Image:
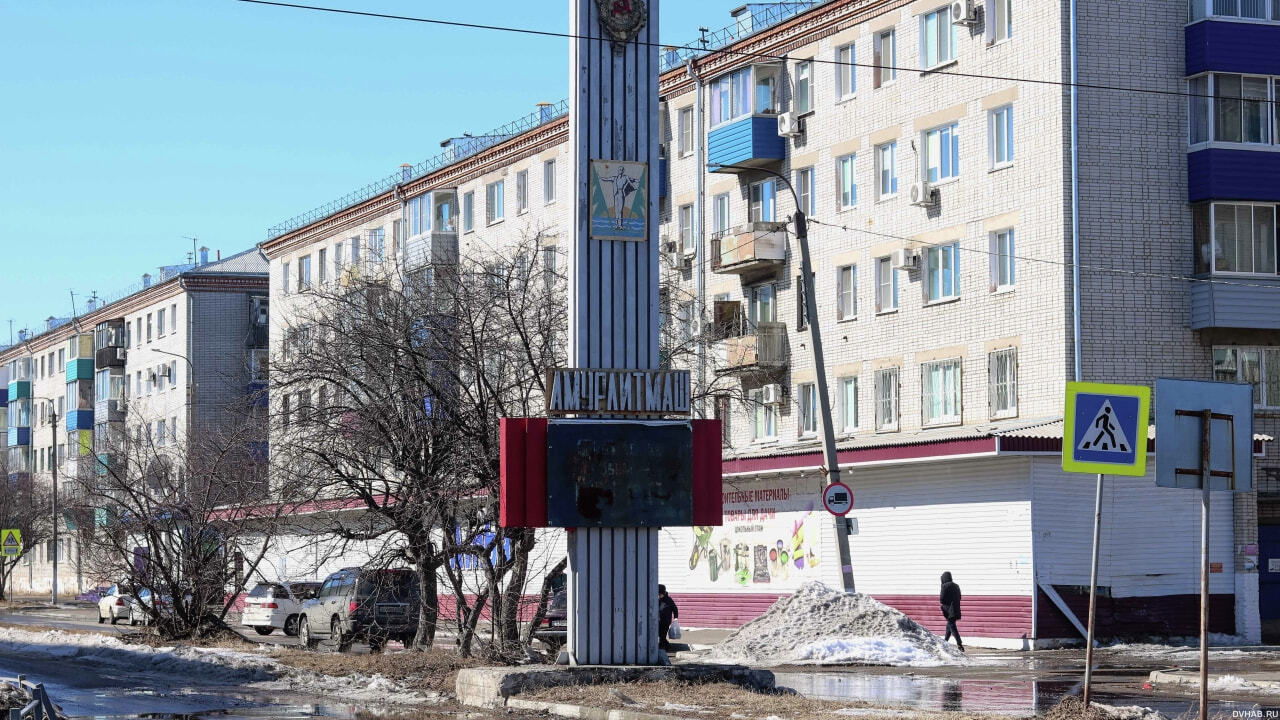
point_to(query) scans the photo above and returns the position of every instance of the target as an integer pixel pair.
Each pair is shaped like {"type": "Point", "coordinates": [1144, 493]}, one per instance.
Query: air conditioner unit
{"type": "Point", "coordinates": [772, 394]}
{"type": "Point", "coordinates": [789, 125]}
{"type": "Point", "coordinates": [668, 246]}
{"type": "Point", "coordinates": [903, 260]}
{"type": "Point", "coordinates": [679, 259]}
{"type": "Point", "coordinates": [921, 193]}
{"type": "Point", "coordinates": [121, 354]}
{"type": "Point", "coordinates": [963, 12]}
{"type": "Point", "coordinates": [115, 406]}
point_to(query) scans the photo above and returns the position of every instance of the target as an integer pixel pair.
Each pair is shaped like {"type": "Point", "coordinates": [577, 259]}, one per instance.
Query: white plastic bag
{"type": "Point", "coordinates": [674, 631]}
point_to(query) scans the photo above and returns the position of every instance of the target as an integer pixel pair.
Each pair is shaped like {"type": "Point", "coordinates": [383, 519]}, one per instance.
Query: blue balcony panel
{"type": "Point", "coordinates": [1224, 305]}
{"type": "Point", "coordinates": [79, 420]}
{"type": "Point", "coordinates": [1222, 174]}
{"type": "Point", "coordinates": [1234, 47]}
{"type": "Point", "coordinates": [752, 141]}
{"type": "Point", "coordinates": [18, 436]}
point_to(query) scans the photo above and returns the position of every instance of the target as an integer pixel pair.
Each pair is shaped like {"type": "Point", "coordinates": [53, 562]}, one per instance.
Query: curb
{"type": "Point", "coordinates": [1181, 678]}
{"type": "Point", "coordinates": [583, 711]}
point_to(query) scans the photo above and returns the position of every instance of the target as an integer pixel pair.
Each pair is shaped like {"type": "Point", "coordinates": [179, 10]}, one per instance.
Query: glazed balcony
{"type": "Point", "coordinates": [764, 349]}
{"type": "Point", "coordinates": [751, 248]}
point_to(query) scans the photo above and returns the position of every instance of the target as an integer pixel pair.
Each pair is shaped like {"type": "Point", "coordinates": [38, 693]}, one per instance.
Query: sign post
{"type": "Point", "coordinates": [1105, 431]}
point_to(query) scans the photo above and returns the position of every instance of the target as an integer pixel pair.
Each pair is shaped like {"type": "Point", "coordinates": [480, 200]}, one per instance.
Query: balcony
{"type": "Point", "coordinates": [1252, 304]}
{"type": "Point", "coordinates": [18, 436]}
{"type": "Point", "coordinates": [765, 349]}
{"type": "Point", "coordinates": [749, 249]}
{"type": "Point", "coordinates": [19, 390]}
{"type": "Point", "coordinates": [79, 420]}
{"type": "Point", "coordinates": [113, 410]}
{"type": "Point", "coordinates": [1233, 174]}
{"type": "Point", "coordinates": [752, 141]}
{"type": "Point", "coordinates": [81, 369]}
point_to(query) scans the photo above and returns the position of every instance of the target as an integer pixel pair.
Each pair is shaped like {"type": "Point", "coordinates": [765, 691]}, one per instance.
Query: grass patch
{"type": "Point", "coordinates": [432, 670]}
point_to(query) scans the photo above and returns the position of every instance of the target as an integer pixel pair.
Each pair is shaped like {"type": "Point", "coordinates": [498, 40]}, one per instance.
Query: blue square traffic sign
{"type": "Point", "coordinates": [1106, 428]}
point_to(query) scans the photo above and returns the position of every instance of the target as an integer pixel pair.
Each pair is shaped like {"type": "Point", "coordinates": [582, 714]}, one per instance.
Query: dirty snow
{"type": "Point", "coordinates": [818, 625]}
{"type": "Point", "coordinates": [210, 665]}
{"type": "Point", "coordinates": [1235, 683]}
{"type": "Point", "coordinates": [1129, 712]}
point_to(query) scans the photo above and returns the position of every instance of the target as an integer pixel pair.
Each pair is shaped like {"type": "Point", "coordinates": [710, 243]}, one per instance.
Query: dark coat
{"type": "Point", "coordinates": [666, 610]}
{"type": "Point", "coordinates": [949, 598]}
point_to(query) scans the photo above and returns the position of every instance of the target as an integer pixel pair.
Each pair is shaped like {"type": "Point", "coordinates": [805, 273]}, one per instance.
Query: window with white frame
{"type": "Point", "coordinates": [804, 190]}
{"type": "Point", "coordinates": [1000, 136]}
{"type": "Point", "coordinates": [846, 292]}
{"type": "Point", "coordinates": [940, 392]}
{"type": "Point", "coordinates": [338, 258]}
{"type": "Point", "coordinates": [161, 328]}
{"type": "Point", "coordinates": [173, 318]}
{"type": "Point", "coordinates": [304, 273]}
{"type": "Point", "coordinates": [886, 285]}
{"type": "Point", "coordinates": [686, 227]}
{"type": "Point", "coordinates": [1000, 20]}
{"type": "Point", "coordinates": [803, 87]}
{"type": "Point", "coordinates": [468, 211]}
{"type": "Point", "coordinates": [548, 182]}
{"type": "Point", "coordinates": [937, 38]}
{"type": "Point", "coordinates": [1002, 382]}
{"type": "Point", "coordinates": [354, 244]}
{"type": "Point", "coordinates": [1235, 238]}
{"type": "Point", "coordinates": [493, 202]}
{"type": "Point", "coordinates": [846, 72]}
{"type": "Point", "coordinates": [764, 421]}
{"type": "Point", "coordinates": [1258, 366]}
{"type": "Point", "coordinates": [807, 404]}
{"type": "Point", "coordinates": [942, 272]}
{"type": "Point", "coordinates": [763, 305]}
{"type": "Point", "coordinates": [847, 182]}
{"type": "Point", "coordinates": [720, 214]}
{"type": "Point", "coordinates": [1244, 9]}
{"type": "Point", "coordinates": [886, 57]}
{"type": "Point", "coordinates": [886, 387]}
{"type": "Point", "coordinates": [847, 403]}
{"type": "Point", "coordinates": [284, 282]}
{"type": "Point", "coordinates": [321, 260]}
{"type": "Point", "coordinates": [1233, 108]}
{"type": "Point", "coordinates": [731, 96]}
{"type": "Point", "coordinates": [942, 153]}
{"type": "Point", "coordinates": [162, 433]}
{"type": "Point", "coordinates": [887, 169]}
{"type": "Point", "coordinates": [764, 201]}
{"type": "Point", "coordinates": [1003, 275]}
{"type": "Point", "coordinates": [522, 191]}
{"type": "Point", "coordinates": [684, 123]}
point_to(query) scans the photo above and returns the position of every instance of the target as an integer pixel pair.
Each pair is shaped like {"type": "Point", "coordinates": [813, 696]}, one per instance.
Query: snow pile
{"type": "Point", "coordinates": [1235, 683]}
{"type": "Point", "coordinates": [1128, 712]}
{"type": "Point", "coordinates": [818, 625]}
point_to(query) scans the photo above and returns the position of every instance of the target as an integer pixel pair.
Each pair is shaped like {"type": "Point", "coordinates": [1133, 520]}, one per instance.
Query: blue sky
{"type": "Point", "coordinates": [128, 125]}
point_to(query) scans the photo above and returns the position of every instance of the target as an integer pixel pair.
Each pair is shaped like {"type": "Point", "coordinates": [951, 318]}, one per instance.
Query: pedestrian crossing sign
{"type": "Point", "coordinates": [10, 543]}
{"type": "Point", "coordinates": [1106, 428]}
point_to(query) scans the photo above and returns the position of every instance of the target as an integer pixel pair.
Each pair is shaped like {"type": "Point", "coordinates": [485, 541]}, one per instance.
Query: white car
{"type": "Point", "coordinates": [276, 605]}
{"type": "Point", "coordinates": [139, 609]}
{"type": "Point", "coordinates": [115, 605]}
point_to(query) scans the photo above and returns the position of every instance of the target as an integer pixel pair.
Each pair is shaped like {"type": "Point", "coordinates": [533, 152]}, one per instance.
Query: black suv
{"type": "Point", "coordinates": [373, 605]}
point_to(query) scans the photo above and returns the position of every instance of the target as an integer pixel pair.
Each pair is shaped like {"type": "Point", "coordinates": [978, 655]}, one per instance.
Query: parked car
{"type": "Point", "coordinates": [276, 605]}
{"type": "Point", "coordinates": [115, 605]}
{"type": "Point", "coordinates": [140, 608]}
{"type": "Point", "coordinates": [554, 630]}
{"type": "Point", "coordinates": [373, 605]}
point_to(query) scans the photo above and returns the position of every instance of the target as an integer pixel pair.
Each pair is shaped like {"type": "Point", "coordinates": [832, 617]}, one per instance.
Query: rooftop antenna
{"type": "Point", "coordinates": [192, 257]}
{"type": "Point", "coordinates": [73, 303]}
{"type": "Point", "coordinates": [10, 331]}
{"type": "Point", "coordinates": [703, 32]}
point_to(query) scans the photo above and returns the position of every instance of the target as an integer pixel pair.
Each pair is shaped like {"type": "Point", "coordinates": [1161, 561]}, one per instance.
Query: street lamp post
{"type": "Point", "coordinates": [819, 367]}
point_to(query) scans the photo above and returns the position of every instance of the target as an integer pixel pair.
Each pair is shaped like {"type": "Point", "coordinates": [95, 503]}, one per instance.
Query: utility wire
{"type": "Point", "coordinates": [757, 55]}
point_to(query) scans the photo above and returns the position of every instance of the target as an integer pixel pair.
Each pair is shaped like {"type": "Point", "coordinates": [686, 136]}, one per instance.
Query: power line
{"type": "Point", "coordinates": [747, 54]}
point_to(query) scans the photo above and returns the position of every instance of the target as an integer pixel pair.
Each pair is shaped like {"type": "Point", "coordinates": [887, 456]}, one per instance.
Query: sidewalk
{"type": "Point", "coordinates": [1246, 681]}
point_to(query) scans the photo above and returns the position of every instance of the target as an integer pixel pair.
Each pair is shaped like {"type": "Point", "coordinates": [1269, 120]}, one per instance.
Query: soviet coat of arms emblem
{"type": "Point", "coordinates": [622, 20]}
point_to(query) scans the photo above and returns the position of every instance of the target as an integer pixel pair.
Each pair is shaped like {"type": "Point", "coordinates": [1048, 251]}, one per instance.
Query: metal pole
{"type": "Point", "coordinates": [1093, 590]}
{"type": "Point", "coordinates": [53, 435]}
{"type": "Point", "coordinates": [1205, 433]}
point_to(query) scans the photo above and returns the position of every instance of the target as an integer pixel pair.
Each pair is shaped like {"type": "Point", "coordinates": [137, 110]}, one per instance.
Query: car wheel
{"type": "Point", "coordinates": [376, 645]}
{"type": "Point", "coordinates": [291, 625]}
{"type": "Point", "coordinates": [407, 640]}
{"type": "Point", "coordinates": [304, 634]}
{"type": "Point", "coordinates": [133, 621]}
{"type": "Point", "coordinates": [336, 636]}
{"type": "Point", "coordinates": [114, 619]}
{"type": "Point", "coordinates": [264, 630]}
{"type": "Point", "coordinates": [100, 618]}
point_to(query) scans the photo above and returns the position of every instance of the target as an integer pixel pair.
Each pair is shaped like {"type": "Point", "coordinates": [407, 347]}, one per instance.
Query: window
{"type": "Point", "coordinates": [354, 242]}
{"type": "Point", "coordinates": [886, 58]}
{"type": "Point", "coordinates": [764, 201]}
{"type": "Point", "coordinates": [942, 272]}
{"type": "Point", "coordinates": [148, 328]}
{"type": "Point", "coordinates": [522, 191]}
{"type": "Point", "coordinates": [686, 227]}
{"type": "Point", "coordinates": [173, 374]}
{"type": "Point", "coordinates": [1235, 238]}
{"type": "Point", "coordinates": [320, 263]}
{"type": "Point", "coordinates": [940, 392]}
{"type": "Point", "coordinates": [62, 356]}
{"type": "Point", "coordinates": [942, 153]}
{"type": "Point", "coordinates": [162, 434]}
{"type": "Point", "coordinates": [763, 305]}
{"type": "Point", "coordinates": [1248, 9]}
{"type": "Point", "coordinates": [684, 122]}
{"type": "Point", "coordinates": [1000, 22]}
{"type": "Point", "coordinates": [804, 191]}
{"type": "Point", "coordinates": [284, 278]}
{"type": "Point", "coordinates": [138, 334]}
{"type": "Point", "coordinates": [887, 169]}
{"type": "Point", "coordinates": [804, 87]}
{"type": "Point", "coordinates": [377, 247]}
{"type": "Point", "coordinates": [418, 213]}
{"type": "Point", "coordinates": [886, 285]}
{"type": "Point", "coordinates": [731, 96]}
{"type": "Point", "coordinates": [847, 292]}
{"type": "Point", "coordinates": [887, 399]}
{"type": "Point", "coordinates": [1002, 260]}
{"type": "Point", "coordinates": [720, 214]}
{"type": "Point", "coordinates": [1000, 136]}
{"type": "Point", "coordinates": [848, 184]}
{"type": "Point", "coordinates": [766, 88]}
{"type": "Point", "coordinates": [1241, 108]}
{"type": "Point", "coordinates": [807, 399]}
{"type": "Point", "coordinates": [846, 72]}
{"type": "Point", "coordinates": [938, 38]}
{"type": "Point", "coordinates": [304, 273]}
{"type": "Point", "coordinates": [337, 259]}
{"type": "Point", "coordinates": [1002, 388]}
{"type": "Point", "coordinates": [468, 211]}
{"type": "Point", "coordinates": [1259, 366]}
{"type": "Point", "coordinates": [847, 404]}
{"type": "Point", "coordinates": [549, 265]}
{"type": "Point", "coordinates": [160, 329]}
{"type": "Point", "coordinates": [723, 413]}
{"type": "Point", "coordinates": [549, 181]}
{"type": "Point", "coordinates": [764, 424]}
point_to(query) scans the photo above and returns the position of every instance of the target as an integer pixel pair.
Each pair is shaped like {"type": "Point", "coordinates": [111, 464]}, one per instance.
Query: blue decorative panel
{"type": "Point", "coordinates": [1235, 47]}
{"type": "Point", "coordinates": [19, 436]}
{"type": "Point", "coordinates": [1216, 305]}
{"type": "Point", "coordinates": [80, 420]}
{"type": "Point", "coordinates": [19, 389]}
{"type": "Point", "coordinates": [751, 141]}
{"type": "Point", "coordinates": [1221, 174]}
{"type": "Point", "coordinates": [257, 391]}
{"type": "Point", "coordinates": [4, 396]}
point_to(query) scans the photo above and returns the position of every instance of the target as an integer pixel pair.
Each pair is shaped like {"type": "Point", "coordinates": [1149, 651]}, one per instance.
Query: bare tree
{"type": "Point", "coordinates": [25, 506]}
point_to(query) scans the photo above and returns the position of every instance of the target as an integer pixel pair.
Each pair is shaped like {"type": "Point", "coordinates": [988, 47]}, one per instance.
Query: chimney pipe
{"type": "Point", "coordinates": [219, 253]}
{"type": "Point", "coordinates": [146, 280]}
{"type": "Point", "coordinates": [204, 255]}
{"type": "Point", "coordinates": [544, 113]}
{"type": "Point", "coordinates": [22, 335]}
{"type": "Point", "coordinates": [49, 321]}
{"type": "Point", "coordinates": [406, 172]}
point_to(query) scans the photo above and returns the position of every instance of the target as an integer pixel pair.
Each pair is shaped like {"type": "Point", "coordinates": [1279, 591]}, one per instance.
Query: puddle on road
{"type": "Point", "coordinates": [282, 711]}
{"type": "Point", "coordinates": [1007, 697]}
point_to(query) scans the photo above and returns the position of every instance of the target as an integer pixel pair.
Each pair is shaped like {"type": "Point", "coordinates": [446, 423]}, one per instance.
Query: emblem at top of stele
{"type": "Point", "coordinates": [622, 20]}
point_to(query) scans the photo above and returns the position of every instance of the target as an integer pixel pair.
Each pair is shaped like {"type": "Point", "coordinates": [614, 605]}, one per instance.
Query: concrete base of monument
{"type": "Point", "coordinates": [496, 687]}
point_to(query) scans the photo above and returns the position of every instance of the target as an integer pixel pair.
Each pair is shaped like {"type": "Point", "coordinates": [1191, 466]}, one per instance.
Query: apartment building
{"type": "Point", "coordinates": [931, 145]}
{"type": "Point", "coordinates": [155, 366]}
